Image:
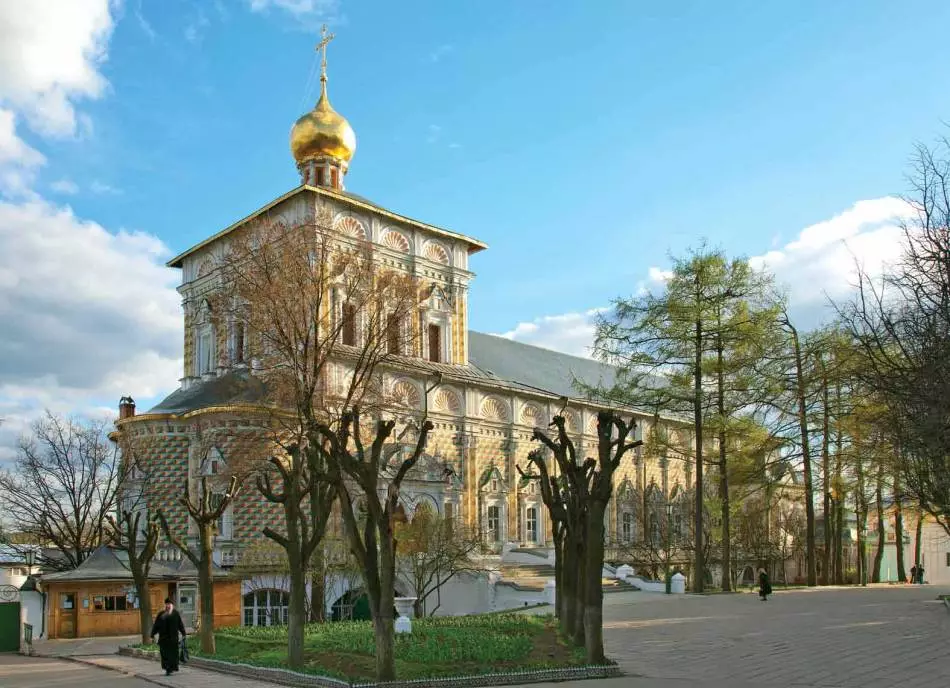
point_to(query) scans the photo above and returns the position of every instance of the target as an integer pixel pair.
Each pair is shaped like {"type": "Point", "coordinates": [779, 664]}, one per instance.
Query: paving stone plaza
{"type": "Point", "coordinates": [829, 638]}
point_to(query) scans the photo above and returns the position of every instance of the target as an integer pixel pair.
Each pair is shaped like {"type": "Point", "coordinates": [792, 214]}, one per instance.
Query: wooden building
{"type": "Point", "coordinates": [98, 598]}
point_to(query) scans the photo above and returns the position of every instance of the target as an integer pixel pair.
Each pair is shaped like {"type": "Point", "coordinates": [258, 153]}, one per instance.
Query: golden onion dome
{"type": "Point", "coordinates": [322, 132]}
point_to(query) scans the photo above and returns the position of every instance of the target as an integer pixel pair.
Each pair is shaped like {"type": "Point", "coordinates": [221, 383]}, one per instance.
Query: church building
{"type": "Point", "coordinates": [493, 391]}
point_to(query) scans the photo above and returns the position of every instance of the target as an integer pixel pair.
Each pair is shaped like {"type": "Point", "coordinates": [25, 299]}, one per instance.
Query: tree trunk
{"type": "Point", "coordinates": [418, 607]}
{"type": "Point", "coordinates": [297, 610]}
{"type": "Point", "coordinates": [318, 588]}
{"type": "Point", "coordinates": [385, 635]}
{"type": "Point", "coordinates": [145, 604]}
{"type": "Point", "coordinates": [383, 622]}
{"type": "Point", "coordinates": [899, 530]}
{"type": "Point", "coordinates": [827, 505]}
{"type": "Point", "coordinates": [206, 589]}
{"type": "Point", "coordinates": [879, 503]}
{"type": "Point", "coordinates": [580, 585]}
{"type": "Point", "coordinates": [570, 572]}
{"type": "Point", "coordinates": [839, 487]}
{"type": "Point", "coordinates": [559, 578]}
{"type": "Point", "coordinates": [810, 563]}
{"type": "Point", "coordinates": [594, 591]}
{"type": "Point", "coordinates": [699, 563]}
{"type": "Point", "coordinates": [723, 476]}
{"type": "Point", "coordinates": [861, 507]}
{"type": "Point", "coordinates": [917, 538]}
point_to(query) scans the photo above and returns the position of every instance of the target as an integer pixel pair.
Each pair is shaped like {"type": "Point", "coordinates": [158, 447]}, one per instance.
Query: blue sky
{"type": "Point", "coordinates": [583, 141]}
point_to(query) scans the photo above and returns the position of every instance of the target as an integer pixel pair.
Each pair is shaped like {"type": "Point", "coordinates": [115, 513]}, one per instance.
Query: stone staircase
{"type": "Point", "coordinates": [533, 577]}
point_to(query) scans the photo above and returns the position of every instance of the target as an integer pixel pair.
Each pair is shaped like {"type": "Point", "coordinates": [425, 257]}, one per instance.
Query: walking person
{"type": "Point", "coordinates": [167, 626]}
{"type": "Point", "coordinates": [920, 574]}
{"type": "Point", "coordinates": [913, 573]}
{"type": "Point", "coordinates": [765, 587]}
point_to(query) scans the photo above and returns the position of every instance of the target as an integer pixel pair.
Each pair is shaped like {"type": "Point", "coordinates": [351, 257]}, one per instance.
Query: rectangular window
{"type": "Point", "coordinates": [348, 326]}
{"type": "Point", "coordinates": [627, 527]}
{"type": "Point", "coordinates": [494, 523]}
{"type": "Point", "coordinates": [224, 522]}
{"type": "Point", "coordinates": [393, 335]}
{"type": "Point", "coordinates": [109, 603]}
{"type": "Point", "coordinates": [435, 343]}
{"type": "Point", "coordinates": [205, 351]}
{"type": "Point", "coordinates": [238, 353]}
{"type": "Point", "coordinates": [532, 521]}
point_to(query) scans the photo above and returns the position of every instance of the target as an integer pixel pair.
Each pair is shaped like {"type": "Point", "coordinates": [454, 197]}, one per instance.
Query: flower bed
{"type": "Point", "coordinates": [438, 648]}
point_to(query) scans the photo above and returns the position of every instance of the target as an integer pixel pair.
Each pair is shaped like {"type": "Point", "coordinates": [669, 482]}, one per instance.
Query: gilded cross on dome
{"type": "Point", "coordinates": [325, 39]}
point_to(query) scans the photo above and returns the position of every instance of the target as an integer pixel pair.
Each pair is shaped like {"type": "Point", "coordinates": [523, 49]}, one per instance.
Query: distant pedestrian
{"type": "Point", "coordinates": [167, 626]}
{"type": "Point", "coordinates": [913, 573]}
{"type": "Point", "coordinates": [765, 587]}
{"type": "Point", "coordinates": [920, 575]}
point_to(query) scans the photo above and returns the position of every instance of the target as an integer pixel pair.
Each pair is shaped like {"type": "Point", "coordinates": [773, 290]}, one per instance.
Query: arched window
{"type": "Point", "coordinates": [531, 524]}
{"type": "Point", "coordinates": [266, 608]}
{"type": "Point", "coordinates": [626, 527]}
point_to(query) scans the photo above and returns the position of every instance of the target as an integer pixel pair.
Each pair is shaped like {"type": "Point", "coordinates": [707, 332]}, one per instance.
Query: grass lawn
{"type": "Point", "coordinates": [442, 646]}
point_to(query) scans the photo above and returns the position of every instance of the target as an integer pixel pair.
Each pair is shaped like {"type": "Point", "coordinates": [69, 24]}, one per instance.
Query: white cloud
{"type": "Point", "coordinates": [49, 56]}
{"type": "Point", "coordinates": [144, 24]}
{"type": "Point", "coordinates": [572, 333]}
{"type": "Point", "coordinates": [302, 10]}
{"type": "Point", "coordinates": [818, 264]}
{"type": "Point", "coordinates": [65, 186]}
{"type": "Point", "coordinates": [18, 161]}
{"type": "Point", "coordinates": [103, 189]}
{"type": "Point", "coordinates": [195, 29]}
{"type": "Point", "coordinates": [88, 314]}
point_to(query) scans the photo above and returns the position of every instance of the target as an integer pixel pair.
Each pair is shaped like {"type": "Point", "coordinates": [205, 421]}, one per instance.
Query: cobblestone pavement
{"type": "Point", "coordinates": [831, 637]}
{"type": "Point", "coordinates": [17, 671]}
{"type": "Point", "coordinates": [826, 638]}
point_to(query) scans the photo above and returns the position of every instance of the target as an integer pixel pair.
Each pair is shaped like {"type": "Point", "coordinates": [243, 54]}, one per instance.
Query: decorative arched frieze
{"type": "Point", "coordinates": [406, 393]}
{"type": "Point", "coordinates": [435, 252]}
{"type": "Point", "coordinates": [447, 401]}
{"type": "Point", "coordinates": [592, 424]}
{"type": "Point", "coordinates": [532, 415]}
{"type": "Point", "coordinates": [396, 240]}
{"type": "Point", "coordinates": [204, 268]}
{"type": "Point", "coordinates": [350, 226]}
{"type": "Point", "coordinates": [493, 408]}
{"type": "Point", "coordinates": [571, 421]}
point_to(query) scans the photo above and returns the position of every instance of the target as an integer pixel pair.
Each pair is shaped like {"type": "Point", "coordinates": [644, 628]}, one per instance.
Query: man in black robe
{"type": "Point", "coordinates": [167, 626]}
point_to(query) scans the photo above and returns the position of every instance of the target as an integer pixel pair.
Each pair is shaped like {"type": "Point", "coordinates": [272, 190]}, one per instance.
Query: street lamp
{"type": "Point", "coordinates": [30, 557]}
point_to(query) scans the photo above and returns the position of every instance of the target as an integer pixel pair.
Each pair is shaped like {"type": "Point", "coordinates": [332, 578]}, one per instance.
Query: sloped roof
{"type": "Point", "coordinates": [233, 388]}
{"type": "Point", "coordinates": [534, 367]}
{"type": "Point", "coordinates": [350, 199]}
{"type": "Point", "coordinates": [107, 563]}
{"type": "Point", "coordinates": [492, 359]}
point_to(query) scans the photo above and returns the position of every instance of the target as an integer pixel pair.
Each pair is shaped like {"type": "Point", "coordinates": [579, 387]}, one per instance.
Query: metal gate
{"type": "Point", "coordinates": [9, 618]}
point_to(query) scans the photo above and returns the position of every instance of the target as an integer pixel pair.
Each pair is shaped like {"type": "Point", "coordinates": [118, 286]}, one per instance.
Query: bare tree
{"type": "Point", "coordinates": [368, 479]}
{"type": "Point", "coordinates": [62, 485]}
{"type": "Point", "coordinates": [205, 512]}
{"type": "Point", "coordinates": [901, 323]}
{"type": "Point", "coordinates": [432, 550]}
{"type": "Point", "coordinates": [581, 504]}
{"type": "Point", "coordinates": [318, 315]}
{"type": "Point", "coordinates": [137, 533]}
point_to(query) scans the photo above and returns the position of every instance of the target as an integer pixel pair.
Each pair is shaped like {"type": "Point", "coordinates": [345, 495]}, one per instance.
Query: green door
{"type": "Point", "coordinates": [9, 626]}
